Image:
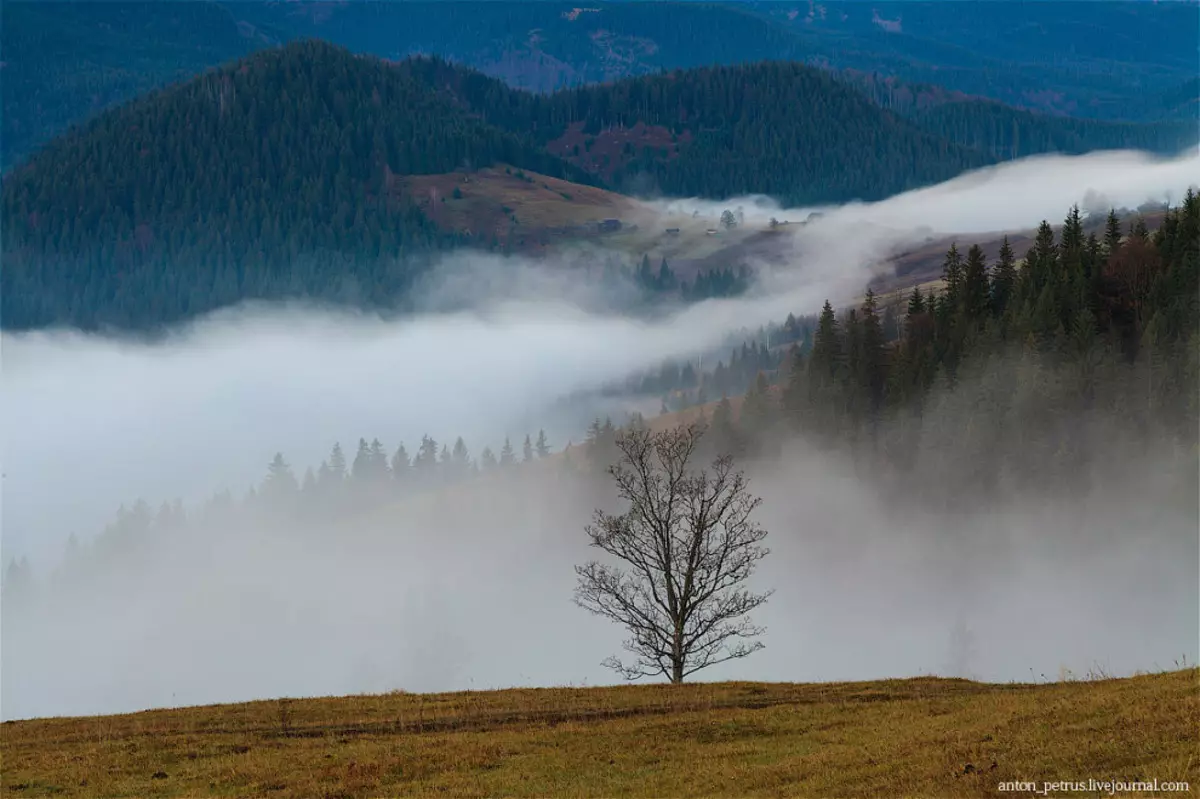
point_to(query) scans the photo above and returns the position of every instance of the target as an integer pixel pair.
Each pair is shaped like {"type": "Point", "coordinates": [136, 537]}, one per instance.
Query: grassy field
{"type": "Point", "coordinates": [920, 737]}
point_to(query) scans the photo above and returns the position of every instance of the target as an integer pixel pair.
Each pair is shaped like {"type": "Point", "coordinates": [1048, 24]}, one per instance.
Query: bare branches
{"type": "Point", "coordinates": [688, 543]}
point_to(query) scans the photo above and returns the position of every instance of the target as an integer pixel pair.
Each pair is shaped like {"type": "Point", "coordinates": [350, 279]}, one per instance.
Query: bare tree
{"type": "Point", "coordinates": [689, 544]}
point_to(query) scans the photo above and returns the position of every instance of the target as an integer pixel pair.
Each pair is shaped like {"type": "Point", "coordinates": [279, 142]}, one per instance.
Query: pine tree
{"type": "Point", "coordinates": [542, 448]}
{"type": "Point", "coordinates": [527, 450]}
{"type": "Point", "coordinates": [400, 463]}
{"type": "Point", "coordinates": [975, 286]}
{"type": "Point", "coordinates": [825, 362]}
{"type": "Point", "coordinates": [916, 303]}
{"type": "Point", "coordinates": [1004, 280]}
{"type": "Point", "coordinates": [952, 276]}
{"type": "Point", "coordinates": [461, 458]}
{"type": "Point", "coordinates": [873, 359]}
{"type": "Point", "coordinates": [280, 484]}
{"type": "Point", "coordinates": [1112, 233]}
{"type": "Point", "coordinates": [337, 465]}
{"type": "Point", "coordinates": [379, 461]}
{"type": "Point", "coordinates": [487, 460]}
{"type": "Point", "coordinates": [425, 462]}
{"type": "Point", "coordinates": [507, 457]}
{"type": "Point", "coordinates": [361, 469]}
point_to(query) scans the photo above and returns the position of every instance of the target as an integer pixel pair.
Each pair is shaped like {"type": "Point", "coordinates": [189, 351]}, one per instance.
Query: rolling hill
{"type": "Point", "coordinates": [777, 128]}
{"type": "Point", "coordinates": [923, 736]}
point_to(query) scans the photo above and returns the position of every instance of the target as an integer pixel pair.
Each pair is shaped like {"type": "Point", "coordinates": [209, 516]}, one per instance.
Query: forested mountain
{"type": "Point", "coordinates": [279, 175]}
{"type": "Point", "coordinates": [271, 177]}
{"type": "Point", "coordinates": [282, 175]}
{"type": "Point", "coordinates": [1003, 131]}
{"type": "Point", "coordinates": [66, 60]}
{"type": "Point", "coordinates": [778, 128]}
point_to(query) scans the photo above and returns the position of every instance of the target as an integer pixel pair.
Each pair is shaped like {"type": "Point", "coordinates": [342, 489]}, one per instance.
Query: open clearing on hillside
{"type": "Point", "coordinates": [918, 737]}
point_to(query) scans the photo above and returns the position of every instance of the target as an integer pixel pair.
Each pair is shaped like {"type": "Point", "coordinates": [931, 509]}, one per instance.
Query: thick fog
{"type": "Point", "coordinates": [435, 592]}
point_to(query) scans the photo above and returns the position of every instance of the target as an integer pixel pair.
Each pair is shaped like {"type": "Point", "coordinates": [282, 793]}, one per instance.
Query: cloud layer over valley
{"type": "Point", "coordinates": [439, 594]}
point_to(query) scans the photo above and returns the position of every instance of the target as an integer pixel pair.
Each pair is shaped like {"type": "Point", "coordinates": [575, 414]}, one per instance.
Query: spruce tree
{"type": "Point", "coordinates": [507, 457]}
{"type": "Point", "coordinates": [916, 303]}
{"type": "Point", "coordinates": [952, 276]}
{"type": "Point", "coordinates": [280, 484]}
{"type": "Point", "coordinates": [461, 458]}
{"type": "Point", "coordinates": [425, 463]}
{"type": "Point", "coordinates": [542, 448]}
{"type": "Point", "coordinates": [400, 463]}
{"type": "Point", "coordinates": [873, 367]}
{"type": "Point", "coordinates": [825, 362]}
{"type": "Point", "coordinates": [337, 464]}
{"type": "Point", "coordinates": [1112, 234]}
{"type": "Point", "coordinates": [379, 461]}
{"type": "Point", "coordinates": [487, 460]}
{"type": "Point", "coordinates": [975, 286]}
{"type": "Point", "coordinates": [527, 450]}
{"type": "Point", "coordinates": [1004, 279]}
{"type": "Point", "coordinates": [360, 470]}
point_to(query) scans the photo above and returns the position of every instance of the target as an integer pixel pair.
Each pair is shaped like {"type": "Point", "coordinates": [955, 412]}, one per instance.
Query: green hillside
{"type": "Point", "coordinates": [281, 175]}
{"type": "Point", "coordinates": [285, 174]}
{"type": "Point", "coordinates": [275, 176]}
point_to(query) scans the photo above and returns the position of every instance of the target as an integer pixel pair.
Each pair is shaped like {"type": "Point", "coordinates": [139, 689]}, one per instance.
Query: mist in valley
{"type": "Point", "coordinates": [469, 585]}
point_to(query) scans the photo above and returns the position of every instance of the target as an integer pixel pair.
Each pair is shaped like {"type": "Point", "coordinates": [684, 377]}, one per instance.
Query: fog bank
{"type": "Point", "coordinates": [91, 422]}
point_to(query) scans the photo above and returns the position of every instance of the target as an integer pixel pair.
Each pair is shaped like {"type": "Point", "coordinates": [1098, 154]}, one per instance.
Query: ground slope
{"type": "Point", "coordinates": [916, 737]}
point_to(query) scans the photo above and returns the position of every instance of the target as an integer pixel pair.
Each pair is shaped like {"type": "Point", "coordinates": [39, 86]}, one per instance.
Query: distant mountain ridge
{"type": "Point", "coordinates": [65, 61]}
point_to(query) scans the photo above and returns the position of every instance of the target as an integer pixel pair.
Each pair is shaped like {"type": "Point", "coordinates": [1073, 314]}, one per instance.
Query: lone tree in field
{"type": "Point", "coordinates": [689, 545]}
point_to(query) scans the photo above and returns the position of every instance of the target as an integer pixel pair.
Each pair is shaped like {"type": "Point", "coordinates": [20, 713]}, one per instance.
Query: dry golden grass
{"type": "Point", "coordinates": [489, 197]}
{"type": "Point", "coordinates": [920, 737]}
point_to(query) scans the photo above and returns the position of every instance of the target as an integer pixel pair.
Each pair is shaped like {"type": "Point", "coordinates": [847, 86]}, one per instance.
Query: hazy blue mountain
{"type": "Point", "coordinates": [65, 61]}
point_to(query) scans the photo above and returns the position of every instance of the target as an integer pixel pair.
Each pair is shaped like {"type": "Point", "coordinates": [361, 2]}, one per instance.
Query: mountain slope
{"type": "Point", "coordinates": [1096, 61]}
{"type": "Point", "coordinates": [288, 174]}
{"type": "Point", "coordinates": [235, 186]}
{"type": "Point", "coordinates": [776, 128]}
{"type": "Point", "coordinates": [284, 174]}
{"type": "Point", "coordinates": [1004, 131]}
